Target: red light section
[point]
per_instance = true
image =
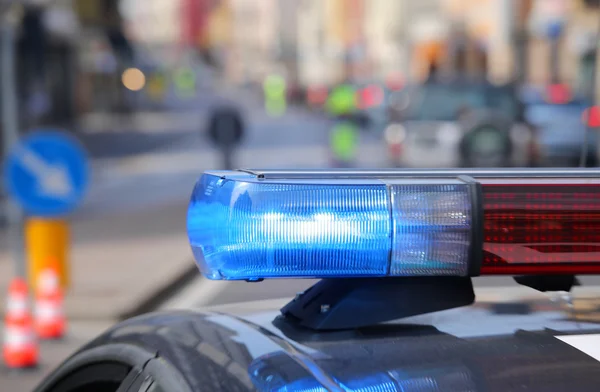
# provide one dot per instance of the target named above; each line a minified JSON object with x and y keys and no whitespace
{"x":537,"y":228}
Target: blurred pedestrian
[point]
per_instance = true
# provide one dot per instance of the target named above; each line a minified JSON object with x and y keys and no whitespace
{"x":226,"y":129}
{"x":275,"y":92}
{"x":342,"y":101}
{"x":344,"y":143}
{"x":343,"y":136}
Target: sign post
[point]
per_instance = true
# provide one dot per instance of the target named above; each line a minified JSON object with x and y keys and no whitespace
{"x":46,"y":173}
{"x":10,"y":133}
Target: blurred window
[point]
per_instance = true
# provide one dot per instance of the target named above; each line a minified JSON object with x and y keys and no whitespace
{"x":547,"y":113}
{"x":503,"y":100}
{"x":443,"y":103}
{"x":438,"y":102}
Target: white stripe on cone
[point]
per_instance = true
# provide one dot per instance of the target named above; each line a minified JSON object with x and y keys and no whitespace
{"x":18,"y":337}
{"x":16,"y":306}
{"x":47,"y":310}
{"x":48,"y":282}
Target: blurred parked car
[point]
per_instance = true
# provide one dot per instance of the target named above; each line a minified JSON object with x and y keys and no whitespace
{"x":561,"y":131}
{"x":458,"y":123}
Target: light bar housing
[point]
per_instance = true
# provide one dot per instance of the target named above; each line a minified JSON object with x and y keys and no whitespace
{"x":255,"y":224}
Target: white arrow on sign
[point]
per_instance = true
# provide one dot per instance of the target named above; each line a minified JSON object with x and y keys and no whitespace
{"x":53,"y":179}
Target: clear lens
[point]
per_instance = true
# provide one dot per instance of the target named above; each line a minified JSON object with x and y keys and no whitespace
{"x":432,"y":225}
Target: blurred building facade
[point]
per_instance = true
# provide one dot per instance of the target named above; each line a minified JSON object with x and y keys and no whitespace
{"x":104,"y":51}
{"x":253,"y":42}
{"x":385,"y":37}
{"x":154,"y":22}
{"x":322,"y":42}
{"x":480,"y":33}
{"x":581,"y":47}
{"x":559,"y":38}
{"x":46,"y":45}
{"x":319,"y":43}
{"x":287,"y":52}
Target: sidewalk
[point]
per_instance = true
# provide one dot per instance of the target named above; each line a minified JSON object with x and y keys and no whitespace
{"x":121,"y":262}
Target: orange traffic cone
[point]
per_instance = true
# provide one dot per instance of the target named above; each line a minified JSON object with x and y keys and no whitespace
{"x":50,"y":320}
{"x":20,"y":344}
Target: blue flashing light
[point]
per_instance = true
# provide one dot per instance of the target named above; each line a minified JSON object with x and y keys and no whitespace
{"x":371,"y":383}
{"x":308,"y":384}
{"x":278,"y":372}
{"x":379,"y":382}
{"x":242,"y":227}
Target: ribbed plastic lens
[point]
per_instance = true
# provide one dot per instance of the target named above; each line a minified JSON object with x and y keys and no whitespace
{"x":541,"y":228}
{"x":432,"y":225}
{"x":245,"y":230}
{"x":248,"y":229}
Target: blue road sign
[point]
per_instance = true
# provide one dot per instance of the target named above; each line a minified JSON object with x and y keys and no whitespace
{"x":47,"y":173}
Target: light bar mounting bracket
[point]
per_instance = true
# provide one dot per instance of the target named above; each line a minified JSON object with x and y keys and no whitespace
{"x":349,"y":303}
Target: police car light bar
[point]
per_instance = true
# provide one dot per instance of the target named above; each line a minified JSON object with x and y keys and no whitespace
{"x":250,"y":225}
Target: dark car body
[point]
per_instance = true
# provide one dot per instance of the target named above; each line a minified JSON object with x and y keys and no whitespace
{"x":561,"y":132}
{"x":437,"y":117}
{"x":446,"y":99}
{"x":525,"y":345}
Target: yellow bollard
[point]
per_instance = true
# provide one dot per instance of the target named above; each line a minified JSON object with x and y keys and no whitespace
{"x":47,"y":240}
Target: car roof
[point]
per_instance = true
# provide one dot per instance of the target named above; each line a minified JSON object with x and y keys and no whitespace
{"x":523,"y":341}
{"x":575,"y":102}
{"x":464,"y":81}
